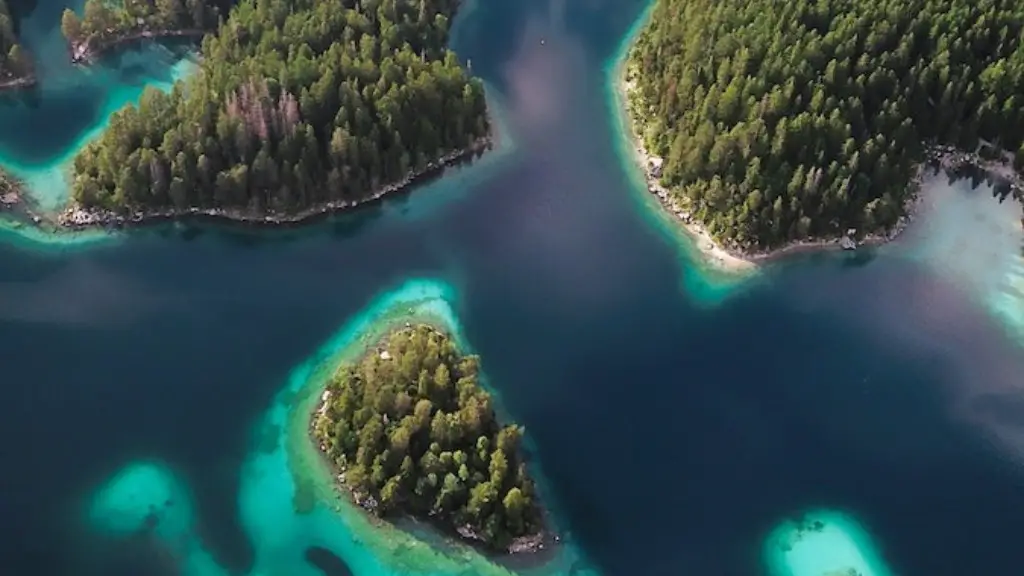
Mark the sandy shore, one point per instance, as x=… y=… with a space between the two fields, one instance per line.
x=721 y=258
x=711 y=252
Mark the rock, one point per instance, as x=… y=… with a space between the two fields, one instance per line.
x=655 y=164
x=527 y=544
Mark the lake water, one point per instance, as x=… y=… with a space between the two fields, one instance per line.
x=41 y=130
x=833 y=412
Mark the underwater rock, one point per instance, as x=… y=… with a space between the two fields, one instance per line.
x=326 y=561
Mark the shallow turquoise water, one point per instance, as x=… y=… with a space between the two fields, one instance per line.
x=823 y=543
x=42 y=129
x=976 y=242
x=47 y=181
x=147 y=496
x=677 y=420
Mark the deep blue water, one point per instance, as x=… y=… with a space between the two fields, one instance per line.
x=674 y=434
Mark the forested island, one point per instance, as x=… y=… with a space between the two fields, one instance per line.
x=297 y=108
x=772 y=123
x=16 y=70
x=411 y=431
x=104 y=25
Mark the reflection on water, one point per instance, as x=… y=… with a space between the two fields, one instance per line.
x=968 y=232
x=971 y=235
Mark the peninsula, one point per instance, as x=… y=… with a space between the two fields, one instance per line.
x=410 y=431
x=297 y=109
x=16 y=70
x=769 y=126
x=105 y=25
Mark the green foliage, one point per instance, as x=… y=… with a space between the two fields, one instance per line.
x=415 y=431
x=783 y=120
x=103 y=21
x=14 y=62
x=297 y=103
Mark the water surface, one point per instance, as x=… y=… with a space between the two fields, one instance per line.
x=41 y=129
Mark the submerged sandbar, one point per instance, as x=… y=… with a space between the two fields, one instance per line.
x=822 y=543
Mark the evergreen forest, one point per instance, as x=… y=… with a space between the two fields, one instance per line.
x=413 y=432
x=14 y=61
x=780 y=121
x=296 y=103
x=103 y=22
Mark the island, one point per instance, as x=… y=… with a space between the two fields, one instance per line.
x=410 y=431
x=104 y=25
x=297 y=109
x=16 y=69
x=768 y=126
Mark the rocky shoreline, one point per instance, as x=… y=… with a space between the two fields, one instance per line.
x=11 y=200
x=78 y=218
x=541 y=542
x=18 y=83
x=732 y=259
x=87 y=51
x=523 y=545
x=538 y=543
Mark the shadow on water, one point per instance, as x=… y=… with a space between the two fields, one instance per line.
x=860 y=258
x=20 y=10
x=341 y=226
x=979 y=178
x=327 y=562
x=130 y=70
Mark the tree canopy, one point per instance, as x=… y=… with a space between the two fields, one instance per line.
x=296 y=103
x=103 y=21
x=411 y=428
x=14 y=61
x=783 y=120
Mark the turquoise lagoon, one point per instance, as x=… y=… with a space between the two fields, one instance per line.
x=287 y=500
x=47 y=181
x=160 y=384
x=822 y=543
x=44 y=128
